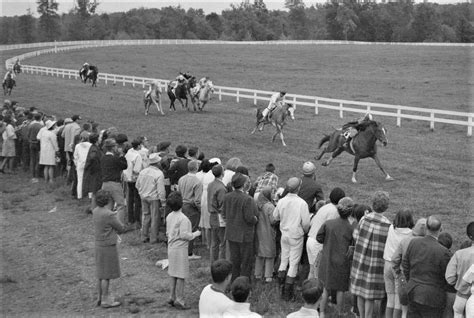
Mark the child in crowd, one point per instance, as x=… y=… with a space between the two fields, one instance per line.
x=213 y=302
x=240 y=292
x=311 y=292
x=178 y=231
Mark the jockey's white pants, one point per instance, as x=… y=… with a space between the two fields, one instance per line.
x=80 y=179
x=291 y=251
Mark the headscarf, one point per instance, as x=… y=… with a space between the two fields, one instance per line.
x=264 y=197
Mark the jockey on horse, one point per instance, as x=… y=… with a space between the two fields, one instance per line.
x=180 y=79
x=275 y=100
x=352 y=128
x=200 y=85
x=9 y=74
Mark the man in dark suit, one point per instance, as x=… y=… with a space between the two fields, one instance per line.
x=240 y=213
x=424 y=266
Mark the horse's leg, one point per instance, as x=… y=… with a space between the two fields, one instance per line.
x=334 y=155
x=354 y=168
x=321 y=154
x=158 y=106
x=379 y=164
x=282 y=139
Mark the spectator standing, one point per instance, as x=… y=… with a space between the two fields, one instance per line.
x=469 y=279
x=230 y=168
x=424 y=267
x=268 y=179
x=178 y=231
x=151 y=188
x=205 y=176
x=178 y=166
x=8 y=150
x=25 y=143
x=106 y=228
x=240 y=290
x=191 y=190
x=69 y=133
x=48 y=149
x=311 y=291
x=163 y=149
x=33 y=130
x=215 y=196
x=213 y=301
x=92 y=172
x=144 y=151
x=80 y=157
x=265 y=235
x=457 y=267
x=367 y=281
x=240 y=213
x=134 y=166
x=325 y=213
x=310 y=191
x=446 y=240
x=419 y=230
x=112 y=165
x=335 y=268
x=399 y=230
x=292 y=212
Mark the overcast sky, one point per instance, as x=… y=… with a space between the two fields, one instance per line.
x=20 y=7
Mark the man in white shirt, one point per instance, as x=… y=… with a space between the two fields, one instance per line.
x=151 y=187
x=276 y=99
x=311 y=292
x=134 y=166
x=213 y=302
x=293 y=214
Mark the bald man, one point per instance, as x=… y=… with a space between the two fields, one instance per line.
x=424 y=266
x=293 y=214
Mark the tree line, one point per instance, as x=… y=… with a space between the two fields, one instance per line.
x=373 y=22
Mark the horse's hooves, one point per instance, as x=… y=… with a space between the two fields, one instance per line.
x=354 y=181
x=324 y=164
x=389 y=178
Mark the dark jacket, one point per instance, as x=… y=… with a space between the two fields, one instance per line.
x=424 y=266
x=216 y=191
x=112 y=167
x=309 y=191
x=106 y=226
x=92 y=172
x=240 y=213
x=178 y=169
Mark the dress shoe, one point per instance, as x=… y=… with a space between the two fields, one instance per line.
x=181 y=306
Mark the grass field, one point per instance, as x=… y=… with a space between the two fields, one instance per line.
x=50 y=255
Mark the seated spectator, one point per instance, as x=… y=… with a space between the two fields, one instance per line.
x=213 y=302
x=311 y=292
x=178 y=231
x=240 y=292
x=457 y=268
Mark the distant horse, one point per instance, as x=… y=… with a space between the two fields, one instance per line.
x=155 y=98
x=8 y=85
x=363 y=145
x=182 y=91
x=205 y=94
x=17 y=68
x=277 y=119
x=89 y=73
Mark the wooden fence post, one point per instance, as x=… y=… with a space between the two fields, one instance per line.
x=399 y=117
x=238 y=92
x=432 y=116
x=255 y=98
x=469 y=127
x=316 y=109
x=341 y=115
x=220 y=94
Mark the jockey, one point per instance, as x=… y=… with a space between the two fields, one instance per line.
x=153 y=85
x=351 y=129
x=276 y=99
x=201 y=84
x=9 y=74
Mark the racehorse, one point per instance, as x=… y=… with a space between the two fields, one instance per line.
x=277 y=119
x=17 y=68
x=205 y=94
x=182 y=91
x=155 y=98
x=8 y=85
x=89 y=73
x=363 y=145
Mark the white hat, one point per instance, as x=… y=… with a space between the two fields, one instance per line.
x=154 y=158
x=308 y=168
x=50 y=123
x=215 y=160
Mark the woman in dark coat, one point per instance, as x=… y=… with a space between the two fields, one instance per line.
x=335 y=266
x=106 y=228
x=92 y=173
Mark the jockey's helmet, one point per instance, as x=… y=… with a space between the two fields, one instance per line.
x=282 y=93
x=368 y=116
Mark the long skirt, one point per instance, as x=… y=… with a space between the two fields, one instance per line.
x=178 y=262
x=8 y=149
x=107 y=262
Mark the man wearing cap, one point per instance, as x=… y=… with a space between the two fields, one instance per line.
x=191 y=188
x=112 y=164
x=275 y=100
x=240 y=214
x=310 y=190
x=151 y=187
x=268 y=179
x=130 y=175
x=293 y=214
x=33 y=130
x=215 y=199
x=69 y=133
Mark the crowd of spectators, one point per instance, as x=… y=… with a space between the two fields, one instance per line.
x=256 y=233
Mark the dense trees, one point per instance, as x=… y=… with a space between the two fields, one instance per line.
x=390 y=22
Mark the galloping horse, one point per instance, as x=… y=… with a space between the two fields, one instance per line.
x=363 y=145
x=277 y=119
x=89 y=73
x=8 y=85
x=182 y=91
x=155 y=98
x=205 y=94
x=17 y=68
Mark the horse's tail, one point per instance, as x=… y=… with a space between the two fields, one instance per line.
x=325 y=139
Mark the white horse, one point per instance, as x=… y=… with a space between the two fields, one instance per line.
x=153 y=96
x=204 y=94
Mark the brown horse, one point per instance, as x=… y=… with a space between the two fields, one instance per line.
x=154 y=97
x=182 y=91
x=363 y=145
x=276 y=118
